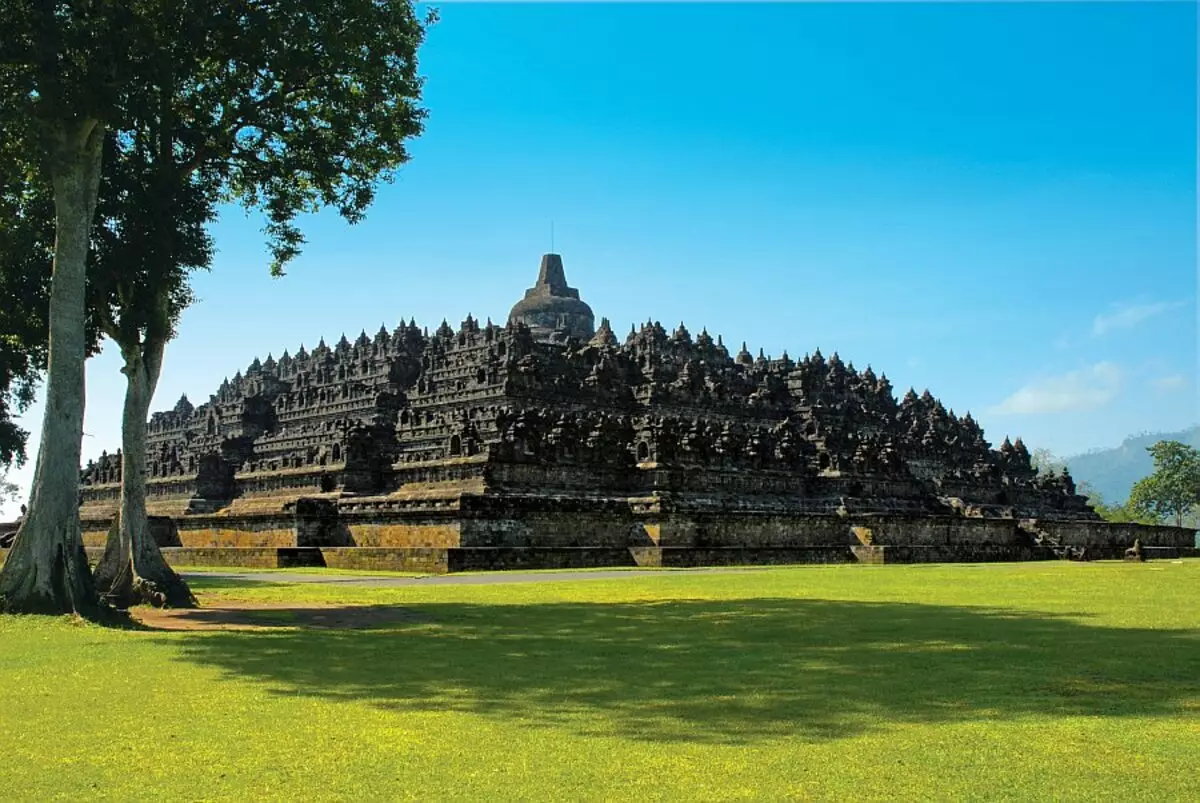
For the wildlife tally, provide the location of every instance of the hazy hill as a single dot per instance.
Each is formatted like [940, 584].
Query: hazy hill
[1113, 472]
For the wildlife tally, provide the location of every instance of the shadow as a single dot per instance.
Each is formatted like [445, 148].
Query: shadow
[165, 531]
[241, 616]
[729, 672]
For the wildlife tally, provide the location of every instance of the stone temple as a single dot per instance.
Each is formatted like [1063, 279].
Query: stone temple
[549, 441]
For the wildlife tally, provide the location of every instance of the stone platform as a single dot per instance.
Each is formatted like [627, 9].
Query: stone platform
[451, 560]
[475, 529]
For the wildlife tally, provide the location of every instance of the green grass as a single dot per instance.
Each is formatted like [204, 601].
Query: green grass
[1030, 681]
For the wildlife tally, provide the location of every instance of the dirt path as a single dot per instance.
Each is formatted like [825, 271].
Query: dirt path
[390, 581]
[238, 615]
[270, 616]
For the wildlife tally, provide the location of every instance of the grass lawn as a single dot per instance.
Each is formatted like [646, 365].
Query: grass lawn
[1020, 681]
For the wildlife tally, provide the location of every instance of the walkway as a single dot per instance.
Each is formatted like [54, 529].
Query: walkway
[482, 578]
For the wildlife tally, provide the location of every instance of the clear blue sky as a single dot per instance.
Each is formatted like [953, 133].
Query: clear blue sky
[997, 202]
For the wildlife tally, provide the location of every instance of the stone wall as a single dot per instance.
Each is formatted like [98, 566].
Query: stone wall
[95, 531]
[577, 523]
[505, 528]
[309, 479]
[1093, 534]
[463, 526]
[424, 532]
[244, 557]
[692, 557]
[537, 478]
[237, 531]
[95, 534]
[409, 559]
[498, 558]
[941, 531]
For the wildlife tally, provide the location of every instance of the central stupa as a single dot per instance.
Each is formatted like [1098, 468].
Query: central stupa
[551, 309]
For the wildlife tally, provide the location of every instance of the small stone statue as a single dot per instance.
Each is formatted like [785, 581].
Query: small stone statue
[1134, 553]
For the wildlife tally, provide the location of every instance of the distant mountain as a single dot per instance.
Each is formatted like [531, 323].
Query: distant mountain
[1113, 472]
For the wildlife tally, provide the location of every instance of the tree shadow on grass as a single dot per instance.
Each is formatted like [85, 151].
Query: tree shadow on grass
[258, 616]
[729, 672]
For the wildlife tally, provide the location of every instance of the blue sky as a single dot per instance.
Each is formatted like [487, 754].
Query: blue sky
[997, 202]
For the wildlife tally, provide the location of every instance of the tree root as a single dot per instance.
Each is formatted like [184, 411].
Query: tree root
[136, 574]
[47, 579]
[128, 589]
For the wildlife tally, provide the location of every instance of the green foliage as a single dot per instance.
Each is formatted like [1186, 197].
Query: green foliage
[1118, 514]
[150, 234]
[283, 107]
[1173, 490]
[298, 104]
[1046, 462]
[26, 250]
[8, 491]
[62, 60]
[824, 683]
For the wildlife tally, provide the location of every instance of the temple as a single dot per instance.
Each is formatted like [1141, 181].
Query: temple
[548, 441]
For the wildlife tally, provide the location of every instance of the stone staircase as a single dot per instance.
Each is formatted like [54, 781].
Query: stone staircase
[1047, 540]
[863, 547]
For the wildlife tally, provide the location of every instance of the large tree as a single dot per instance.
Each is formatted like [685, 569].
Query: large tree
[151, 235]
[65, 68]
[1174, 488]
[27, 235]
[289, 105]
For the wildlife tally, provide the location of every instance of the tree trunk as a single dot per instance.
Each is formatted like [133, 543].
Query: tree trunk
[133, 570]
[47, 570]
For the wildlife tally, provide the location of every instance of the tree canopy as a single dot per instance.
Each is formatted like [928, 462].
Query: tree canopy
[1173, 490]
[7, 489]
[26, 250]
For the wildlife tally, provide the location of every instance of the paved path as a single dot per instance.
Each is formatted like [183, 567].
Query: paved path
[489, 578]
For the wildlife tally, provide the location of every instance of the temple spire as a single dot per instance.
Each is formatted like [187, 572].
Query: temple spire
[552, 276]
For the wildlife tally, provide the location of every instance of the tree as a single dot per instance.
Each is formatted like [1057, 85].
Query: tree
[283, 130]
[65, 68]
[1046, 462]
[26, 255]
[1174, 487]
[152, 234]
[284, 107]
